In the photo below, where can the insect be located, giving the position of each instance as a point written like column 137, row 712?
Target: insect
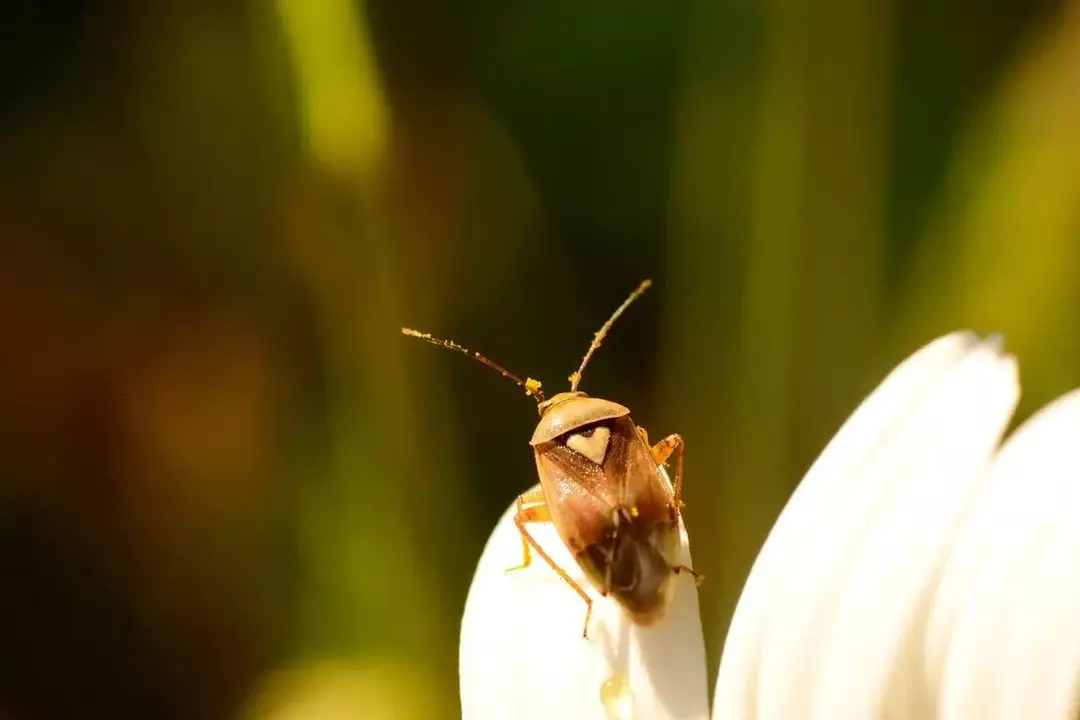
column 602, row 488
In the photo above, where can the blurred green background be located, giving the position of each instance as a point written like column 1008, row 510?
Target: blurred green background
column 228, row 483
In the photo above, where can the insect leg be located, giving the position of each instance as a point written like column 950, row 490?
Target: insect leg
column 663, row 450
column 535, row 496
column 539, row 513
column 698, row 577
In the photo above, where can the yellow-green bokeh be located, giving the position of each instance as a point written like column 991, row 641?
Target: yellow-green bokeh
column 232, row 488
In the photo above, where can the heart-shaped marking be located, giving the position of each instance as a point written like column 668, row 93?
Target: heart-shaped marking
column 593, row 444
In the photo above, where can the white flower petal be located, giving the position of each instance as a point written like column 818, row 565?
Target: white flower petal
column 843, row 607
column 1005, row 630
column 917, row 487
column 522, row 655
column 827, row 479
column 892, row 455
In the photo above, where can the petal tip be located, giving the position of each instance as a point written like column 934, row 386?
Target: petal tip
column 522, row 655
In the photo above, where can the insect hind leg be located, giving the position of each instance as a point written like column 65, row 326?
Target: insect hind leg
column 680, row 569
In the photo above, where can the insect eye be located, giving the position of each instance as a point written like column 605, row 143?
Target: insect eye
column 591, row 441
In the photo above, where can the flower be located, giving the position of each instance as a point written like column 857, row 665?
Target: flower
column 522, row 655
column 921, row 569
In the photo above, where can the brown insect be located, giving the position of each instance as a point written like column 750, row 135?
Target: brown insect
column 601, row 486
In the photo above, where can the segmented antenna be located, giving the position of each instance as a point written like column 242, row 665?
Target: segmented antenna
column 532, row 387
column 575, row 379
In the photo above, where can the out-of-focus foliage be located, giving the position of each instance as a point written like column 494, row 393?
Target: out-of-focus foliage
column 230, row 487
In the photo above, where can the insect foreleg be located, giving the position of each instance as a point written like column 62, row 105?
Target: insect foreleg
column 534, row 496
column 662, row 452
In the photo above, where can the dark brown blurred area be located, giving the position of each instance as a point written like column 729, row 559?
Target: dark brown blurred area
column 221, row 463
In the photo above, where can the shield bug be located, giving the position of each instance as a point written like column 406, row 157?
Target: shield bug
column 602, row 487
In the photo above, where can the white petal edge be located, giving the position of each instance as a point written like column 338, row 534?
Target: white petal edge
column 837, row 615
column 827, row 485
column 736, row 687
column 522, row 655
column 1004, row 635
column 900, row 521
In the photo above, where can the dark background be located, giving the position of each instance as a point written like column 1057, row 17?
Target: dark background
column 228, row 482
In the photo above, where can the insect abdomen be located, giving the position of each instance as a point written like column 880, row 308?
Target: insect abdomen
column 634, row 564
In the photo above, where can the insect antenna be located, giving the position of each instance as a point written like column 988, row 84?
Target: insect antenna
column 575, row 379
column 532, row 387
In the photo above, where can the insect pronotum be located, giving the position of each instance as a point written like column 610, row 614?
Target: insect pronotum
column 602, row 488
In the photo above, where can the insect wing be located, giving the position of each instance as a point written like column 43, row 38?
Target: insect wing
column 583, row 496
column 578, row 497
column 631, row 472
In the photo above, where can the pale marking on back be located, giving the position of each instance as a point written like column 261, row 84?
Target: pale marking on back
column 594, row 446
